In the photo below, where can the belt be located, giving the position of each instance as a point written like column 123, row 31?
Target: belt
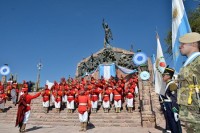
column 94, row 95
column 167, row 100
column 117, row 95
column 82, row 103
column 70, row 96
column 129, row 93
column 105, row 95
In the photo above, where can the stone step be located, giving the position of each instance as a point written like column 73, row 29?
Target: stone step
column 74, row 117
column 99, row 119
column 40, row 109
column 77, row 123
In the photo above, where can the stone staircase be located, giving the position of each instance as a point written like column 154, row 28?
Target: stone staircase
column 147, row 111
column 99, row 119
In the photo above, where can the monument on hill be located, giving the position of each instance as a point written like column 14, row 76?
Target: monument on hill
column 106, row 55
column 118, row 56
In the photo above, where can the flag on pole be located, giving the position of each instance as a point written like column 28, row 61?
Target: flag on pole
column 154, row 66
column 180, row 26
column 160, row 67
column 107, row 70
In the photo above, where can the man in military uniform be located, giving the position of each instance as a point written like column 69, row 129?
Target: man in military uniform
column 189, row 80
column 170, row 101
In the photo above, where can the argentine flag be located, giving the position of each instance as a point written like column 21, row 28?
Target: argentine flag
column 107, row 70
column 180, row 26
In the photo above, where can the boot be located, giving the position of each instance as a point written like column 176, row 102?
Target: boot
column 22, row 129
column 129, row 110
column 45, row 110
column 82, row 127
column 119, row 109
column 57, row 110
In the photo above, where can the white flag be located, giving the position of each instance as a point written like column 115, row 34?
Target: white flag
column 160, row 65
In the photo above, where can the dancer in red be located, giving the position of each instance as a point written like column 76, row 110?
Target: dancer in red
column 24, row 108
column 84, row 106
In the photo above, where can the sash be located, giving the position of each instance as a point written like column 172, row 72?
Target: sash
column 191, row 58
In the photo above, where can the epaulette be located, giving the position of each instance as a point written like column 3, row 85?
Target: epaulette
column 173, row 87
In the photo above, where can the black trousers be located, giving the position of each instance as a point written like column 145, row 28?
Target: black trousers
column 174, row 126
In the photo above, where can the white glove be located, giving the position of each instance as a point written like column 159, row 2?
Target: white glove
column 176, row 117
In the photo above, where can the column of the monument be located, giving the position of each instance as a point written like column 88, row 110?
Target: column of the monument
column 154, row 96
column 148, row 116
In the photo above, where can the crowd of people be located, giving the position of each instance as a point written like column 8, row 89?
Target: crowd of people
column 84, row 95
column 180, row 103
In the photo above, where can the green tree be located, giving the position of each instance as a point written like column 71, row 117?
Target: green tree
column 194, row 20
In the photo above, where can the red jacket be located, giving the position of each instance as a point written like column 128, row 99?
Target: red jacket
column 84, row 103
column 46, row 95
column 129, row 92
column 95, row 94
column 2, row 97
column 106, row 95
column 70, row 95
column 117, row 94
column 29, row 98
column 58, row 95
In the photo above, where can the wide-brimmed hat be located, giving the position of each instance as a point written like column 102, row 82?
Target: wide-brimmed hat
column 190, row 37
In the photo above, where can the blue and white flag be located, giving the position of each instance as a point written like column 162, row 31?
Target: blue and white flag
column 126, row 70
column 180, row 26
column 107, row 70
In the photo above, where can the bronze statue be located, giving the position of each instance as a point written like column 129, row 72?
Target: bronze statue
column 108, row 34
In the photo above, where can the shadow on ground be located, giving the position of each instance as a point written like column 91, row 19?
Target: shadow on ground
column 160, row 128
column 90, row 126
column 34, row 128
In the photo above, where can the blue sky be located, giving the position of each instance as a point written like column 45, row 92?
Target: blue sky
column 63, row 32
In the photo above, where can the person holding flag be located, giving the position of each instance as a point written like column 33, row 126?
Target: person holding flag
column 189, row 81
